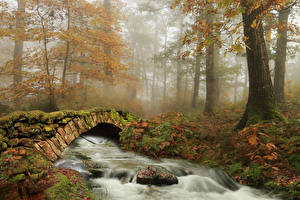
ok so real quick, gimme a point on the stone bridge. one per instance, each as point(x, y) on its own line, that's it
point(51, 133)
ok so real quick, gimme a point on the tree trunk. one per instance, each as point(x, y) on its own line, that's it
point(66, 60)
point(261, 102)
point(211, 77)
point(280, 58)
point(154, 77)
point(210, 102)
point(245, 91)
point(50, 78)
point(217, 74)
point(179, 67)
point(196, 81)
point(107, 66)
point(235, 89)
point(19, 41)
point(165, 68)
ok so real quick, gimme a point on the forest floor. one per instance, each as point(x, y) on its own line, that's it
point(264, 155)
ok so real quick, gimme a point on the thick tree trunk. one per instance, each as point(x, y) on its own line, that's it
point(261, 102)
point(196, 81)
point(280, 58)
point(19, 41)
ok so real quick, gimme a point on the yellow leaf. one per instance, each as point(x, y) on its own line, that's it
point(254, 24)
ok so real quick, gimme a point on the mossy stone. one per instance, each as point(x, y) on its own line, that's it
point(4, 146)
point(18, 178)
point(37, 176)
point(65, 120)
point(48, 128)
point(13, 142)
point(82, 156)
point(35, 116)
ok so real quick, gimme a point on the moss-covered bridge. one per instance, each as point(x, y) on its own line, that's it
point(31, 141)
point(51, 133)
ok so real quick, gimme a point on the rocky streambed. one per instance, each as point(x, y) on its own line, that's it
point(113, 174)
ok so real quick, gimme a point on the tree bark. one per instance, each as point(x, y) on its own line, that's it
point(19, 43)
point(66, 60)
point(280, 59)
point(107, 66)
point(165, 68)
point(211, 76)
point(196, 81)
point(179, 67)
point(50, 79)
point(211, 91)
point(261, 102)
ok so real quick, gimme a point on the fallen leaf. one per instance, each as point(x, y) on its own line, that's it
point(252, 139)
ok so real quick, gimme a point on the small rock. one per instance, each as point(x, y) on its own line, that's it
point(155, 175)
point(92, 164)
point(96, 173)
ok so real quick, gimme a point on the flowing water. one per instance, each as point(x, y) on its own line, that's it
point(119, 168)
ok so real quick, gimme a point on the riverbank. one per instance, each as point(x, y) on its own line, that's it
point(265, 156)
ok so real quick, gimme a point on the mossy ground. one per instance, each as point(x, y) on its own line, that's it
point(66, 184)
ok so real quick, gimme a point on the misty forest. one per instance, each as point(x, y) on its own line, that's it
point(149, 99)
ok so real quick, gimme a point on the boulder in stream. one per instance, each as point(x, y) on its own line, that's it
point(155, 175)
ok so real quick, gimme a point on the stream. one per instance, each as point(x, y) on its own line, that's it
point(117, 178)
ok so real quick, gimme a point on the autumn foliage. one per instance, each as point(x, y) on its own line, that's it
point(65, 46)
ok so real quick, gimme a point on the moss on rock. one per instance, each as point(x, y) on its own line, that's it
point(19, 162)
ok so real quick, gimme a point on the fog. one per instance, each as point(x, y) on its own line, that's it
point(137, 55)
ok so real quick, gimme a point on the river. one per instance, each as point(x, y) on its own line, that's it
point(119, 168)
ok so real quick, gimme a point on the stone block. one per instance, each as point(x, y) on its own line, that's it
point(47, 150)
point(74, 128)
point(54, 148)
point(70, 136)
point(61, 141)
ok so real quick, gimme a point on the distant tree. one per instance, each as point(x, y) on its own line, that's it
point(19, 41)
point(281, 53)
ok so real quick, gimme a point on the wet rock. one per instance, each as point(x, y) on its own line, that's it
point(81, 156)
point(96, 173)
point(155, 175)
point(124, 175)
point(92, 164)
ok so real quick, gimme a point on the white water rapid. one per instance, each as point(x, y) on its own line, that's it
point(118, 181)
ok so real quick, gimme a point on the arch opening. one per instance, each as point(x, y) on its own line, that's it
point(107, 130)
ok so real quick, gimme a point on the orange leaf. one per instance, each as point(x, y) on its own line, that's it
point(252, 139)
point(144, 124)
point(270, 146)
point(275, 168)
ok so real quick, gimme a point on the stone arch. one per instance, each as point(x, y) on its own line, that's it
point(51, 133)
